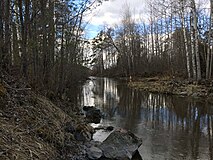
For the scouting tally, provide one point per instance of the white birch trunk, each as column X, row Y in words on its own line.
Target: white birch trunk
column 209, row 51
column 186, row 43
column 194, row 69
column 197, row 55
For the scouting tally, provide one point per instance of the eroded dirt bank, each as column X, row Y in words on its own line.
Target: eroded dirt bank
column 33, row 127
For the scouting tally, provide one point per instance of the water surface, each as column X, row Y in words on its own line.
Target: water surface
column 172, row 127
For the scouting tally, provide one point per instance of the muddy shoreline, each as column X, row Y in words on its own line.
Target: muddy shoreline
column 33, row 126
column 180, row 87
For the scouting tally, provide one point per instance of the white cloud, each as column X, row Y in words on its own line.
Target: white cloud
column 111, row 12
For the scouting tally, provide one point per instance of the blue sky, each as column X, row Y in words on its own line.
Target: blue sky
column 110, row 14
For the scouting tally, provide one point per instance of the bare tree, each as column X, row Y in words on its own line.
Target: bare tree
column 209, row 49
column 197, row 55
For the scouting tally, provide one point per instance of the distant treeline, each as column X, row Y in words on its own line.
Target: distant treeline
column 176, row 39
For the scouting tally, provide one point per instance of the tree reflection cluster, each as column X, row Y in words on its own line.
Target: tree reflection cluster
column 182, row 126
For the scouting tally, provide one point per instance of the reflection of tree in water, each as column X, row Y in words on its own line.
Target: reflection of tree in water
column 128, row 106
column 193, row 118
column 105, row 95
column 183, row 119
column 110, row 97
column 178, row 127
column 210, row 134
column 88, row 93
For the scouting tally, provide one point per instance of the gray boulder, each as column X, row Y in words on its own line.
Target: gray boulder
column 93, row 115
column 120, row 145
column 87, row 108
column 94, row 153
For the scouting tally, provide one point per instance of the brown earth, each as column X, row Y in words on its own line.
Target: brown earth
column 33, row 127
column 176, row 86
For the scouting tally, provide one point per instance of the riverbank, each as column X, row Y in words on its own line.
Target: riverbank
column 175, row 86
column 33, row 127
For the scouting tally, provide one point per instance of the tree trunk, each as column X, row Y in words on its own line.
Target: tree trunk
column 23, row 37
column 61, row 65
column 16, row 57
column 1, row 32
column 194, row 68
column 186, row 43
column 209, row 49
column 44, row 40
column 197, row 55
column 51, row 36
column 6, row 46
column 152, row 39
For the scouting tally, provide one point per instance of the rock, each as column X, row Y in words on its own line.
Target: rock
column 93, row 115
column 94, row 153
column 109, row 128
column 87, row 108
column 74, row 151
column 92, row 143
column 137, row 156
column 121, row 145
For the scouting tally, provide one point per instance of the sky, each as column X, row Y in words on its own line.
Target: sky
column 110, row 13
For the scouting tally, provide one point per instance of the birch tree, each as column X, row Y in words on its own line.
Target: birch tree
column 183, row 24
column 193, row 49
column 210, row 41
column 195, row 27
column 40, row 40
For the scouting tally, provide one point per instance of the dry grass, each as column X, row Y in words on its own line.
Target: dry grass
column 169, row 86
column 2, row 90
column 33, row 130
column 16, row 143
column 151, row 86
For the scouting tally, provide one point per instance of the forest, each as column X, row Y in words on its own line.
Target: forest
column 176, row 41
column 49, row 69
column 41, row 41
column 44, row 42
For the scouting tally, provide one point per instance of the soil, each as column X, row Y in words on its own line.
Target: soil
column 175, row 86
column 33, row 127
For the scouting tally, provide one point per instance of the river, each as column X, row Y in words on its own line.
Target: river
column 172, row 127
